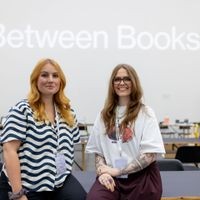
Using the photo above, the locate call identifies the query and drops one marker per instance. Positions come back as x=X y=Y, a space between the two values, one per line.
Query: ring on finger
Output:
x=110 y=180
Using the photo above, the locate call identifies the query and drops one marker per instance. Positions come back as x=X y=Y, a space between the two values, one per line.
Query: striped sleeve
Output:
x=15 y=125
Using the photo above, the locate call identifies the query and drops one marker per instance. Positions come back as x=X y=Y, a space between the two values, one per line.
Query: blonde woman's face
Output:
x=48 y=81
x=122 y=83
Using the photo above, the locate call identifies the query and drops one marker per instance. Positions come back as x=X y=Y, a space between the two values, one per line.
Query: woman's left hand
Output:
x=108 y=181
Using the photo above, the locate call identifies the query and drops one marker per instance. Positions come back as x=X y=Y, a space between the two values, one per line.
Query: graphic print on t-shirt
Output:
x=125 y=137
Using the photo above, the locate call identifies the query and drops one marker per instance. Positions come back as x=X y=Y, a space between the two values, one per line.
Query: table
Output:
x=182 y=141
x=177 y=130
x=171 y=144
x=176 y=142
x=175 y=183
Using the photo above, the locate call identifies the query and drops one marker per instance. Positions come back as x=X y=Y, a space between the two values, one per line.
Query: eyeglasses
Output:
x=125 y=79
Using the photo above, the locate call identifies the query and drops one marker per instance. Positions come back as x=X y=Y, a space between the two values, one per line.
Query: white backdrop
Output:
x=161 y=39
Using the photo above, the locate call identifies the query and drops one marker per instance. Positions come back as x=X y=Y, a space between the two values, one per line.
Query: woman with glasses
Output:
x=126 y=141
x=38 y=140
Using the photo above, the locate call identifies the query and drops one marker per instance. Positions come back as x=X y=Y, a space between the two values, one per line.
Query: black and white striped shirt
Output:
x=40 y=143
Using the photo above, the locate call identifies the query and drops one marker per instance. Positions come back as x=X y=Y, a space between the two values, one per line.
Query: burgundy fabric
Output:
x=143 y=185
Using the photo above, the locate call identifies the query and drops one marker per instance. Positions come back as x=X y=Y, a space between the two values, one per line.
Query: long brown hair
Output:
x=108 y=112
x=34 y=97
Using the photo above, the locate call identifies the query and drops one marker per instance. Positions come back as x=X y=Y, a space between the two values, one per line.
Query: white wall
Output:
x=170 y=76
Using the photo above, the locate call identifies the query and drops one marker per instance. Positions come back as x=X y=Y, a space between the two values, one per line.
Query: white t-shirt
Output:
x=146 y=138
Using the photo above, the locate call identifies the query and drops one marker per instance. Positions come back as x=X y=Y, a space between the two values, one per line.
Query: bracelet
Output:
x=17 y=195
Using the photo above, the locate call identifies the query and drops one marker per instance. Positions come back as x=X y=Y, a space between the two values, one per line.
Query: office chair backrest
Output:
x=170 y=165
x=188 y=154
x=82 y=127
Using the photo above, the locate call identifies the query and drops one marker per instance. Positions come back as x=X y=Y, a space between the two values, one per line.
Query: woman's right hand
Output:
x=108 y=181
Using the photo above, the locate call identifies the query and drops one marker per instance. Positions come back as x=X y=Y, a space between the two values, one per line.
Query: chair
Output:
x=170 y=165
x=185 y=130
x=166 y=130
x=188 y=154
x=83 y=129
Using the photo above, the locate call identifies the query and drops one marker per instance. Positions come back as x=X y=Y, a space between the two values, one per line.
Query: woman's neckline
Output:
x=121 y=111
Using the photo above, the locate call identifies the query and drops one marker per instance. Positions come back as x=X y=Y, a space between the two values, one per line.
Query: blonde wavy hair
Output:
x=61 y=101
x=135 y=104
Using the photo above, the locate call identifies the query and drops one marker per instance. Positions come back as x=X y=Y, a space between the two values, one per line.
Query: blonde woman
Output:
x=38 y=141
x=126 y=141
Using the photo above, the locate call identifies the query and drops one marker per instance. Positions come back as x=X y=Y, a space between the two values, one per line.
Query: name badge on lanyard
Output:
x=120 y=162
x=60 y=163
x=59 y=157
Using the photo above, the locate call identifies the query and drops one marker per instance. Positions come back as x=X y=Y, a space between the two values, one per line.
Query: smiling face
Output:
x=122 y=85
x=48 y=82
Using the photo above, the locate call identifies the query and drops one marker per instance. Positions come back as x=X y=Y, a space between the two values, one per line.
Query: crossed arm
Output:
x=106 y=173
x=142 y=161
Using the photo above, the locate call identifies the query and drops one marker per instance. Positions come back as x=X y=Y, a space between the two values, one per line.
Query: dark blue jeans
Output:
x=71 y=190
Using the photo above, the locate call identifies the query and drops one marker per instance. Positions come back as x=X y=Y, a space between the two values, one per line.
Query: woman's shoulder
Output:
x=147 y=110
x=21 y=105
x=73 y=112
x=22 y=102
x=99 y=117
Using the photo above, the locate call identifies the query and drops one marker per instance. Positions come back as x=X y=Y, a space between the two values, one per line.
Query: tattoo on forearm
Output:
x=99 y=161
x=139 y=163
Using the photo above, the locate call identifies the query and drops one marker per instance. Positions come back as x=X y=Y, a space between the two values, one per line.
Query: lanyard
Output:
x=118 y=136
x=57 y=127
x=57 y=120
x=119 y=116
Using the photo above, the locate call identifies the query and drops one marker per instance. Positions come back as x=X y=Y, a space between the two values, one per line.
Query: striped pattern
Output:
x=39 y=147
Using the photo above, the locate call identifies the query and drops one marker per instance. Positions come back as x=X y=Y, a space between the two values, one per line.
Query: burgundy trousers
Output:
x=143 y=185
